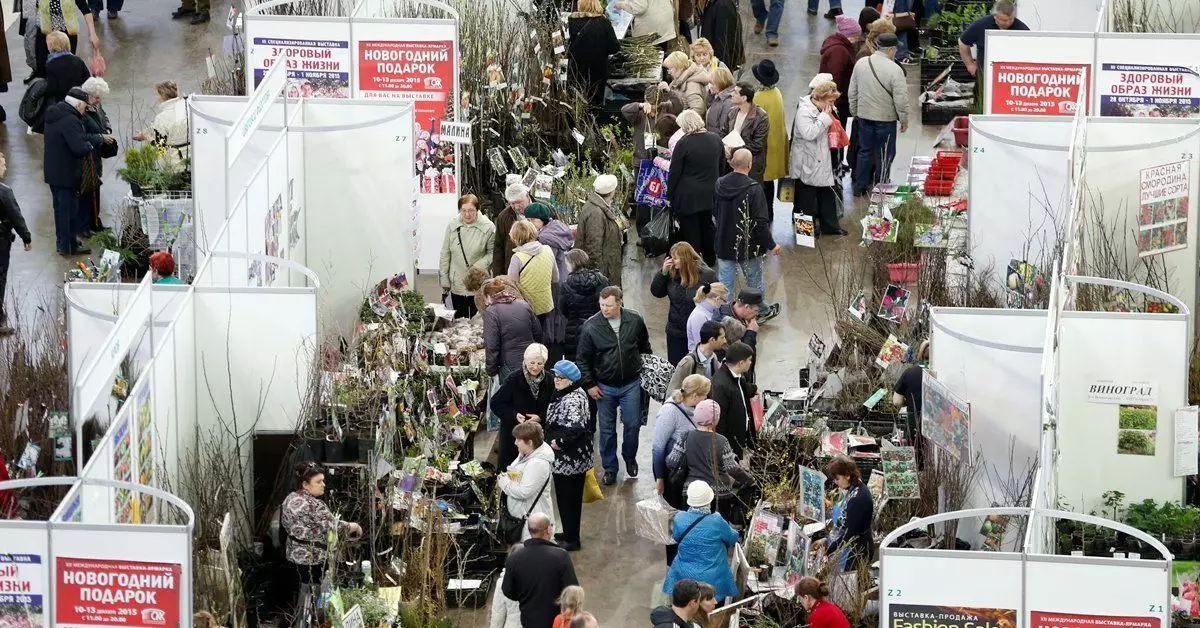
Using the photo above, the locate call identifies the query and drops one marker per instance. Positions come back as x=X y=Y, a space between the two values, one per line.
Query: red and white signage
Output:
x=1037 y=89
x=1041 y=619
x=95 y=592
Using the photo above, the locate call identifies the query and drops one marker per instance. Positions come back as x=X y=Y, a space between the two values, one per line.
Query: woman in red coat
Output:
x=821 y=612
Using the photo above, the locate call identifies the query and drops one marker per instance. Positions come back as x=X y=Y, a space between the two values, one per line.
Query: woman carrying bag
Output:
x=704 y=539
x=810 y=166
x=525 y=484
x=569 y=432
x=468 y=243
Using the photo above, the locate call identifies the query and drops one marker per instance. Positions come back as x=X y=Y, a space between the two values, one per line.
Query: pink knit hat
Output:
x=848 y=26
x=707 y=412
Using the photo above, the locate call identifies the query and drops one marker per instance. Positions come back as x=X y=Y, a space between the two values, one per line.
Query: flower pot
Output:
x=366 y=447
x=333 y=451
x=136 y=190
x=961 y=128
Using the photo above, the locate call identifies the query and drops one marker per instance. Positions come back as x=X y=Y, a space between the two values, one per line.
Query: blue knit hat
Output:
x=567 y=369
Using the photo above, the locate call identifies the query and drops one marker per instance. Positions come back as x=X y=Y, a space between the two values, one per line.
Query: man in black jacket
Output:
x=743 y=227
x=609 y=357
x=10 y=220
x=685 y=604
x=536 y=574
x=732 y=392
x=67 y=145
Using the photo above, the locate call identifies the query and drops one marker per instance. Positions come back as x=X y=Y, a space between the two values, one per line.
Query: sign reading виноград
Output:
x=1119 y=392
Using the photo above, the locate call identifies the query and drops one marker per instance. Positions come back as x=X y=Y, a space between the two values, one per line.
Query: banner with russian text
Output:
x=1148 y=91
x=1037 y=89
x=22 y=590
x=95 y=592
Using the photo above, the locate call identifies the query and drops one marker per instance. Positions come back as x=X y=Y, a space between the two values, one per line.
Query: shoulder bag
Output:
x=885 y=87
x=683 y=536
x=511 y=526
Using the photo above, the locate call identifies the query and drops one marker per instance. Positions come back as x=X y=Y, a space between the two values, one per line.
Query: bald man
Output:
x=743 y=228
x=536 y=574
x=584 y=620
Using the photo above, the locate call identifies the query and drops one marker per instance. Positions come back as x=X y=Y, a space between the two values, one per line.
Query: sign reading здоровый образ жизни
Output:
x=1149 y=91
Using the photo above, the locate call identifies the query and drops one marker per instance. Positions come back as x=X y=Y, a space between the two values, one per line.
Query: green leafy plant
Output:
x=141 y=165
x=911 y=213
x=375 y=610
x=1134 y=442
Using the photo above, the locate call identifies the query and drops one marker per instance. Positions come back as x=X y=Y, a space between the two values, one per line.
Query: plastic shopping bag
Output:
x=591 y=487
x=656 y=235
x=98 y=66
x=651 y=186
x=837 y=135
x=653 y=520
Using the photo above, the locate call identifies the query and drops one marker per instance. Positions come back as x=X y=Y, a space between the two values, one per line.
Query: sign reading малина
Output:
x=1123 y=392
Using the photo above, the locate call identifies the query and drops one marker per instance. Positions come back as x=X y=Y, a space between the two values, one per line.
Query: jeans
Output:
x=770 y=15
x=568 y=493
x=66 y=218
x=876 y=150
x=629 y=398
x=751 y=268
x=814 y=5
x=902 y=6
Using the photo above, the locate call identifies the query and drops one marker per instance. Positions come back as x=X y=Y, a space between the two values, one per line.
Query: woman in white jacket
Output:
x=170 y=123
x=526 y=484
x=811 y=166
x=651 y=16
x=506 y=612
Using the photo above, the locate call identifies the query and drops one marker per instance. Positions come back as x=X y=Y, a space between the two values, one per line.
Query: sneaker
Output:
x=767 y=312
x=773 y=41
x=182 y=12
x=200 y=18
x=610 y=478
x=5 y=330
x=832 y=14
x=758 y=28
x=631 y=468
x=910 y=60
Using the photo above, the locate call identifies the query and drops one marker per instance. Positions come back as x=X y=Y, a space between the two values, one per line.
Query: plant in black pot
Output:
x=141 y=168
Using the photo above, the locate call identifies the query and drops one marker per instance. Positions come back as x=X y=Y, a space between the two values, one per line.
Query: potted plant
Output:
x=903 y=255
x=141 y=168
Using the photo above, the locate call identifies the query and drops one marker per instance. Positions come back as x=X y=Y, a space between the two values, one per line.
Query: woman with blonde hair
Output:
x=702 y=55
x=533 y=268
x=523 y=396
x=810 y=165
x=692 y=183
x=570 y=602
x=682 y=272
x=687 y=78
x=592 y=41
x=720 y=89
x=709 y=298
x=170 y=125
x=673 y=422
x=877 y=28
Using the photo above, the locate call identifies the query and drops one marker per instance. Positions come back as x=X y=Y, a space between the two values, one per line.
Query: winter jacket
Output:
x=701 y=313
x=502 y=250
x=592 y=41
x=67 y=144
x=719 y=105
x=693 y=83
x=603 y=358
x=837 y=58
x=810 y=163
x=568 y=425
x=601 y=234
x=691 y=364
x=11 y=218
x=534 y=576
x=695 y=167
x=506 y=613
x=465 y=246
x=64 y=71
x=529 y=492
x=673 y=422
x=533 y=268
x=171 y=123
x=95 y=122
x=879 y=100
x=771 y=101
x=743 y=222
x=754 y=133
x=515 y=396
x=733 y=395
x=671 y=103
x=507 y=329
x=826 y=614
x=708 y=456
x=653 y=17
x=682 y=298
x=559 y=238
x=703 y=555
x=664 y=617
x=579 y=299
x=722 y=26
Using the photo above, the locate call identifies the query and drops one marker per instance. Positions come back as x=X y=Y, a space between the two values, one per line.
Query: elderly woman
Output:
x=674 y=421
x=162 y=268
x=703 y=454
x=526 y=481
x=63 y=70
x=703 y=539
x=692 y=183
x=61 y=16
x=95 y=122
x=688 y=78
x=601 y=230
x=467 y=244
x=509 y=326
x=578 y=297
x=810 y=164
x=569 y=432
x=533 y=268
x=523 y=396
x=170 y=125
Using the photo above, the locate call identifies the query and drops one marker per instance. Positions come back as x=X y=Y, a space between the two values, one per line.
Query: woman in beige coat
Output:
x=468 y=243
x=601 y=230
x=688 y=78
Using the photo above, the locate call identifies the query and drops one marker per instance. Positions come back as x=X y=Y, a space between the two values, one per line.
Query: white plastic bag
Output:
x=653 y=520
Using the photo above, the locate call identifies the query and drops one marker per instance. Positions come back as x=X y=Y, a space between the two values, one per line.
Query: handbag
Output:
x=511 y=527
x=904 y=22
x=591 y=487
x=98 y=66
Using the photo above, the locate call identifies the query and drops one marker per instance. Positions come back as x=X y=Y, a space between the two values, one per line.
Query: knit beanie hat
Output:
x=707 y=413
x=848 y=26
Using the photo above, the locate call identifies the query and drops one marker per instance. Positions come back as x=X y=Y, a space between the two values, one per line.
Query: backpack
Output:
x=32 y=103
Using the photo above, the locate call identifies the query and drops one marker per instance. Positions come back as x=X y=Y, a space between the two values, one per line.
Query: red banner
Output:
x=1041 y=619
x=1037 y=89
x=93 y=592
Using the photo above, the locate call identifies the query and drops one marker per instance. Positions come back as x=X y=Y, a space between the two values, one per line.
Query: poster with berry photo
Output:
x=1163 y=208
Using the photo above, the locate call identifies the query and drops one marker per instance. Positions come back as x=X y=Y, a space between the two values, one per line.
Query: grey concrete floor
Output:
x=620 y=572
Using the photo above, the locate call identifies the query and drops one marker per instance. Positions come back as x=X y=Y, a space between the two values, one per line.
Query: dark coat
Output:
x=579 y=299
x=695 y=166
x=592 y=41
x=722 y=25
x=754 y=134
x=672 y=103
x=67 y=144
x=502 y=252
x=736 y=424
x=743 y=219
x=507 y=329
x=534 y=576
x=95 y=122
x=682 y=298
x=10 y=217
x=664 y=617
x=62 y=73
x=605 y=358
x=837 y=58
x=514 y=396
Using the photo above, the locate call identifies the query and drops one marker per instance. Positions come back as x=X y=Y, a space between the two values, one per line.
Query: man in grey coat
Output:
x=878 y=100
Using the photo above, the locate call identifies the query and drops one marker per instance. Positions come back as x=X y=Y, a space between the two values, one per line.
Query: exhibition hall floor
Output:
x=620 y=572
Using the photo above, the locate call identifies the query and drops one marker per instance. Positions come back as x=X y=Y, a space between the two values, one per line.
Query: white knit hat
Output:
x=699 y=494
x=823 y=77
x=515 y=192
x=605 y=184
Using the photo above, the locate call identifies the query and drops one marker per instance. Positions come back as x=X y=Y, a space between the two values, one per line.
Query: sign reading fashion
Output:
x=316 y=68
x=93 y=592
x=1038 y=89
x=1155 y=91
x=921 y=616
x=1041 y=619
x=1114 y=392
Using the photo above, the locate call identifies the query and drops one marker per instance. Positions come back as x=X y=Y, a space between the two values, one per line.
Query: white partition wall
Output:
x=1058 y=15
x=1037 y=72
x=1020 y=214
